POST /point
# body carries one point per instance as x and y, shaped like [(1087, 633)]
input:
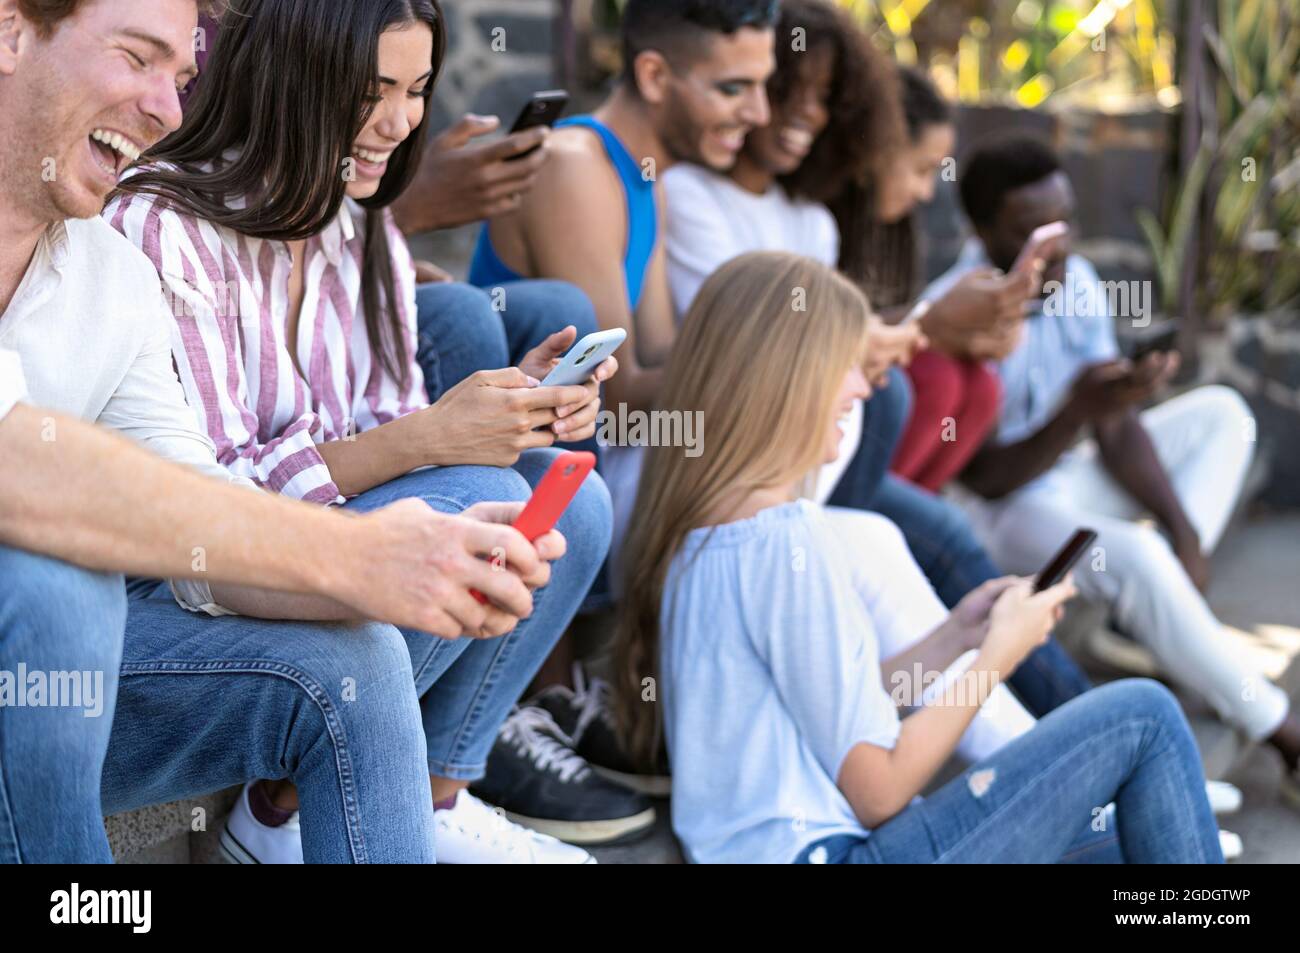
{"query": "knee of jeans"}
[(567, 304), (76, 617), (499, 485), (1145, 697), (895, 401), (362, 667), (588, 524), (463, 313)]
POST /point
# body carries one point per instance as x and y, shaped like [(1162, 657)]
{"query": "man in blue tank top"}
[(692, 88)]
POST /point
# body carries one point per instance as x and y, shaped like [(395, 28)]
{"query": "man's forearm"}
[(78, 493), (1130, 457), (998, 471)]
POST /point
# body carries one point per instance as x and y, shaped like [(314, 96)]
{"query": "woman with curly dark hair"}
[(836, 119)]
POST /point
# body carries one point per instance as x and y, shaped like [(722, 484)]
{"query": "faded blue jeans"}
[(207, 703), (55, 618), (1041, 798), (467, 687)]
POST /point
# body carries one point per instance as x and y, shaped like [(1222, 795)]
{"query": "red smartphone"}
[(1064, 561), (552, 497)]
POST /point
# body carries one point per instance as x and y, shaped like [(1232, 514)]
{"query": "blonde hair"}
[(762, 356)]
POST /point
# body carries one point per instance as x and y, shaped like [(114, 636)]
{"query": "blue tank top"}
[(488, 270)]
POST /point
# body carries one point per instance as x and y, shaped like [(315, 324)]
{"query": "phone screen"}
[(1065, 560)]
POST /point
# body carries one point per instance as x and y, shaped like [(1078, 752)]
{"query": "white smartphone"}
[(581, 362)]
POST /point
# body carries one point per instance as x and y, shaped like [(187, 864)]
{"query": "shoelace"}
[(536, 736), (591, 699)]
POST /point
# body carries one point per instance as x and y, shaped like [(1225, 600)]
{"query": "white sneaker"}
[(1230, 844), (1224, 798), (473, 833), (246, 840)]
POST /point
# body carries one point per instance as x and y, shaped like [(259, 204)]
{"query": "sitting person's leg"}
[(1134, 571), (58, 622), (459, 334), (938, 385), (534, 310), (468, 687), (1205, 440), (1031, 802), (972, 420), (206, 703), (953, 559)]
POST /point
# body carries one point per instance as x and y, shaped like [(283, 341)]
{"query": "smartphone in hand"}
[(1065, 560), (584, 357), (551, 498), (1163, 340), (1040, 246), (544, 109)]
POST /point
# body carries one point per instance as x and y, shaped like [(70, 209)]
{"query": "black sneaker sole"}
[(585, 833), (651, 785)]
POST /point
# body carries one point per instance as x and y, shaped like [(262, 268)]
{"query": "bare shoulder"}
[(578, 172)]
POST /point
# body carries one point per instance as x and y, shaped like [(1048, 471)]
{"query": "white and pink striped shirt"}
[(229, 296)]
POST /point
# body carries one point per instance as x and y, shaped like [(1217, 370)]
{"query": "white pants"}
[(1205, 440)]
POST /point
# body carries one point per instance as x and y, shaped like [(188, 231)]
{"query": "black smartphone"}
[(1161, 341), (1064, 561), (544, 109)]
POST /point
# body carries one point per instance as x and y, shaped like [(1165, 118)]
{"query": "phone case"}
[(584, 357), (552, 497)]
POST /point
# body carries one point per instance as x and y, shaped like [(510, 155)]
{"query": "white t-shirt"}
[(712, 220), (773, 630), (13, 387), (90, 324)]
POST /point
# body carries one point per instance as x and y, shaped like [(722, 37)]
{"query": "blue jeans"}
[(467, 687), (206, 703), (1039, 799), (55, 618), (941, 539)]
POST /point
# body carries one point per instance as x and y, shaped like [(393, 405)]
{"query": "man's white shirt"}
[(87, 335)]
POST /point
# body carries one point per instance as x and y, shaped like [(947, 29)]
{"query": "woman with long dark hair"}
[(266, 216)]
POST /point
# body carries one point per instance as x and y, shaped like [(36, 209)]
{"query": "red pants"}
[(956, 406)]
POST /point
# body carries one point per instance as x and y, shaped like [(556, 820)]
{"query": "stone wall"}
[(500, 52)]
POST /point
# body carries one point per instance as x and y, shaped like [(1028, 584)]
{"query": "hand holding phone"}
[(544, 109), (552, 497), (583, 358), (1161, 341), (1042, 246)]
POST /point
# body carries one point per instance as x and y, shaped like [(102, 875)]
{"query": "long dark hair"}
[(866, 122), (884, 257), (287, 87)]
